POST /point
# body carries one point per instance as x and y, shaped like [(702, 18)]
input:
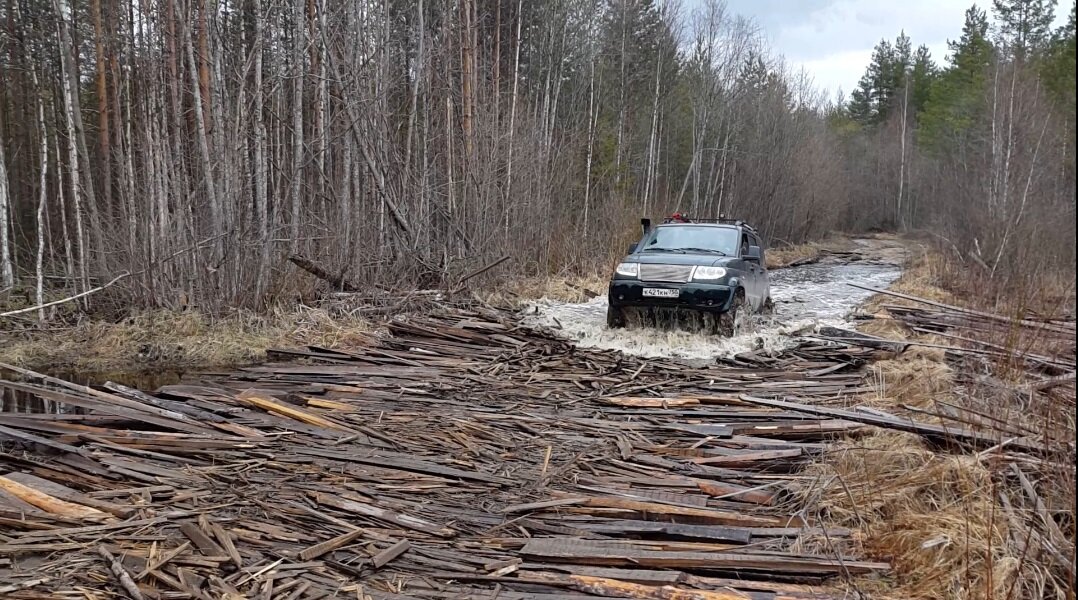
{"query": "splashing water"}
[(805, 298)]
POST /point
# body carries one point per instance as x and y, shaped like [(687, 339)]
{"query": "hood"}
[(672, 258)]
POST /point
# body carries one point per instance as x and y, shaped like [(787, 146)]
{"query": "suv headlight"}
[(708, 273), (628, 269)]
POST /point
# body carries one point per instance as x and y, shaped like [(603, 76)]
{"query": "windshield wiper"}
[(661, 249), (709, 250)]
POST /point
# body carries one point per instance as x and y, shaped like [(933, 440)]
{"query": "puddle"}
[(805, 298), (21, 402)]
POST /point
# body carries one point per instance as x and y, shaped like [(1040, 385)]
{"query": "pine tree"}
[(923, 75), (1058, 66), (956, 96), (873, 99), (1025, 26)]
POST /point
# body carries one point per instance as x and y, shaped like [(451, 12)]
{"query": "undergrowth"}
[(178, 339), (955, 523)]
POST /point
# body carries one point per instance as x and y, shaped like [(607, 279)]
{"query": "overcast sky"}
[(833, 39)]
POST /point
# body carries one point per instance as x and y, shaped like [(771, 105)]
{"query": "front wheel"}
[(615, 317), (730, 321), (768, 307)]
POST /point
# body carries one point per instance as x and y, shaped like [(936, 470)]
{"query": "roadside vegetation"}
[(161, 339), (958, 523)]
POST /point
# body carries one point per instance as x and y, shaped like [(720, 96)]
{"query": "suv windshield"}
[(692, 238)]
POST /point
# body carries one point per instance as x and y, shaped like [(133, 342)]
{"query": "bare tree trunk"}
[(513, 118), (621, 102), (69, 260), (496, 84), (652, 137), (73, 166), (467, 79), (102, 103), (297, 122), (321, 106), (43, 194), (593, 114), (70, 85), (902, 158), (261, 204), (204, 63), (202, 136), (414, 104), (7, 272)]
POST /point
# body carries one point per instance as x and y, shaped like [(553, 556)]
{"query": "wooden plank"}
[(351, 504), (616, 588), (672, 530), (407, 464), (585, 553), (201, 540), (312, 552), (50, 504), (709, 515), (291, 412), (23, 436), (937, 433), (65, 493), (386, 556)]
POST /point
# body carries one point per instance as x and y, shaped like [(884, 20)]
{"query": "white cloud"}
[(833, 39)]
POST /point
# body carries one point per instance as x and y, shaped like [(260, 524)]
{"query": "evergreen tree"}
[(922, 76), (874, 97), (956, 96), (1025, 26), (1058, 67)]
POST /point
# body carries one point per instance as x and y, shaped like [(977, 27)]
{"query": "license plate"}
[(661, 293)]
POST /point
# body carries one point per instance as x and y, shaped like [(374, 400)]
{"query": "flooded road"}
[(805, 298)]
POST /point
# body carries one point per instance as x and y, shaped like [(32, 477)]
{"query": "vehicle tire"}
[(615, 317), (768, 307), (730, 320)]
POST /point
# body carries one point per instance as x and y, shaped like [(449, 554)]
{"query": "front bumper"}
[(705, 297)]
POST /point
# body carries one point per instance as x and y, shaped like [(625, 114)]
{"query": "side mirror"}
[(754, 254), (632, 248)]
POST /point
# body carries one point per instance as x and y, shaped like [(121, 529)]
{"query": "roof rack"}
[(722, 220)]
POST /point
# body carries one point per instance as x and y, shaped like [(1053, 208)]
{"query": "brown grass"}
[(938, 516), (781, 257), (178, 340), (932, 515), (565, 288)]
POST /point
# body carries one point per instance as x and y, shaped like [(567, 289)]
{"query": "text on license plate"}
[(661, 293)]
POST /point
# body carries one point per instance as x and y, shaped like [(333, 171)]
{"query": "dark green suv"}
[(712, 267)]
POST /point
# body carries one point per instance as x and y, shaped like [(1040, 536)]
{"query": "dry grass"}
[(938, 516), (931, 514), (781, 257), (565, 288), (179, 340)]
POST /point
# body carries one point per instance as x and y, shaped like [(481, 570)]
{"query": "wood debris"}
[(462, 456)]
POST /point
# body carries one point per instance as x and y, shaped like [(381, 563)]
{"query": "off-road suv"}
[(712, 268)]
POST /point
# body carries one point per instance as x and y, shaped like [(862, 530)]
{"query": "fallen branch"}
[(479, 272), (114, 281), (121, 574), (937, 433), (95, 290), (969, 311), (337, 281)]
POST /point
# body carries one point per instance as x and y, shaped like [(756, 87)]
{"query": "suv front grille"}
[(666, 273)]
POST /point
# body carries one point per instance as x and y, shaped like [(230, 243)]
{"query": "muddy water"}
[(805, 298)]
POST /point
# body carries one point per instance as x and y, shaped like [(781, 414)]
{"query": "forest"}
[(190, 148)]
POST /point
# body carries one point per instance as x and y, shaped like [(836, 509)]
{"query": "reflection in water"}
[(22, 402), (805, 298)]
